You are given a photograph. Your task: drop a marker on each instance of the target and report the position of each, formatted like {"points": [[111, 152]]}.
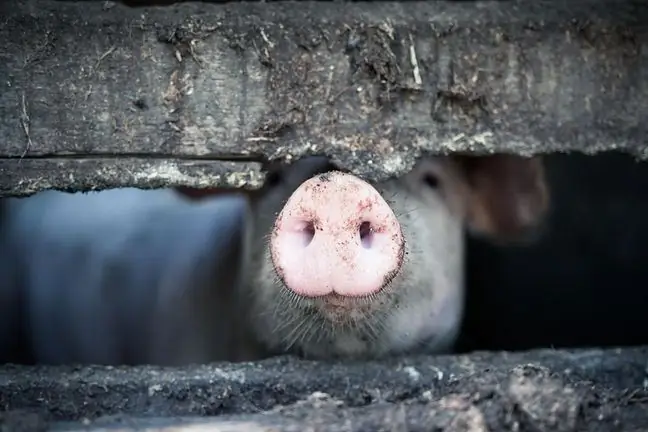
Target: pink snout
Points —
{"points": [[336, 235]]}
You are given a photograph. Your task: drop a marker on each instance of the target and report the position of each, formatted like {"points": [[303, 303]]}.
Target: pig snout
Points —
{"points": [[336, 235]]}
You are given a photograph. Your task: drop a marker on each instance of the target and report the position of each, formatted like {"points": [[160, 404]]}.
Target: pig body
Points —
{"points": [[117, 277]]}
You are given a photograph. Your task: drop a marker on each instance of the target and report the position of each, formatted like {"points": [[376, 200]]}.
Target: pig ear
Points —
{"points": [[507, 194], [196, 194]]}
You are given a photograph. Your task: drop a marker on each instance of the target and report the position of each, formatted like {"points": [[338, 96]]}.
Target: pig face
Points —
{"points": [[341, 268]]}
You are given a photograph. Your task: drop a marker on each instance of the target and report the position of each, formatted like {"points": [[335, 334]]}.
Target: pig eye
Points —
{"points": [[273, 178], [431, 181]]}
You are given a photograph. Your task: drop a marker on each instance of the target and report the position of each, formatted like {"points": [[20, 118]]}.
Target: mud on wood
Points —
{"points": [[371, 85], [583, 390]]}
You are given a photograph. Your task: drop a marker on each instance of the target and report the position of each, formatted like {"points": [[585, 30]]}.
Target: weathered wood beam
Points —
{"points": [[371, 85], [27, 176], [547, 390]]}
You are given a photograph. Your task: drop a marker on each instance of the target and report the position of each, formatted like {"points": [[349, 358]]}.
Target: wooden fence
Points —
{"points": [[96, 94]]}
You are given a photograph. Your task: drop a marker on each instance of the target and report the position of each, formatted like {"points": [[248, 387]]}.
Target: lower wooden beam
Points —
{"points": [[546, 390]]}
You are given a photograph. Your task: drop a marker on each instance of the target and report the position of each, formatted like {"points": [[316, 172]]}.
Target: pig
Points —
{"points": [[115, 277], [316, 263], [339, 268]]}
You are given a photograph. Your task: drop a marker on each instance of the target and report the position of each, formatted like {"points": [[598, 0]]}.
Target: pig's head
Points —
{"points": [[342, 268]]}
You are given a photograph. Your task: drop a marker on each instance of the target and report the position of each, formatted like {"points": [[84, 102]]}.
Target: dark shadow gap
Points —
{"points": [[583, 284]]}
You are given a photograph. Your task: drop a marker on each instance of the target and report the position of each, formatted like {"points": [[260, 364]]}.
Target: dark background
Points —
{"points": [[585, 280]]}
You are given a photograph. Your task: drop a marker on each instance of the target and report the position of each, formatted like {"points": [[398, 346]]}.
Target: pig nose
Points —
{"points": [[336, 234]]}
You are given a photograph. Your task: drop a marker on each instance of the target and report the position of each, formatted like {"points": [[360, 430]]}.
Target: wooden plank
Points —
{"points": [[545, 390], [28, 176], [371, 85]]}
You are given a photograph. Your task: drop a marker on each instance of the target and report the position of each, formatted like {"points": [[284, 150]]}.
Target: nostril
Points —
{"points": [[366, 234], [307, 231]]}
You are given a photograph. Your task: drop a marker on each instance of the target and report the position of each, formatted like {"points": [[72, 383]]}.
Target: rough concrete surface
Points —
{"points": [[84, 174], [373, 85], [583, 390]]}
